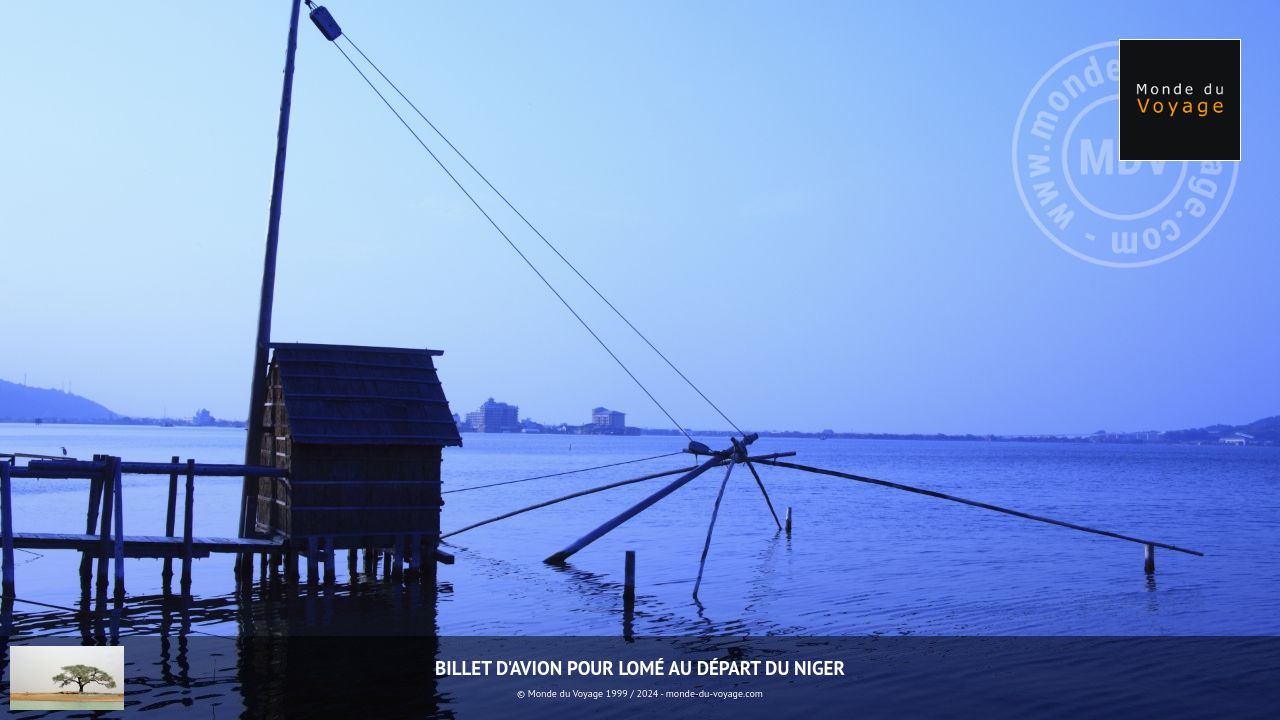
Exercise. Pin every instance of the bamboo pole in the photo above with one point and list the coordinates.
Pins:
(715, 511)
(975, 503)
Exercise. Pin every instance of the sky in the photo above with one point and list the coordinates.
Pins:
(809, 207)
(33, 666)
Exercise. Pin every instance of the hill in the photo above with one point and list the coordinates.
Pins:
(20, 403)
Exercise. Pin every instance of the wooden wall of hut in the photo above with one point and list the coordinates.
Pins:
(361, 432)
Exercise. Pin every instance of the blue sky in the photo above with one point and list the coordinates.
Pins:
(809, 206)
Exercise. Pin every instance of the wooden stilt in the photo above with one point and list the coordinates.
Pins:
(117, 481)
(313, 574)
(330, 557)
(351, 564)
(1149, 559)
(104, 535)
(91, 520)
(397, 559)
(291, 565)
(386, 564)
(369, 561)
(188, 525)
(170, 520)
(415, 558)
(788, 521)
(6, 529)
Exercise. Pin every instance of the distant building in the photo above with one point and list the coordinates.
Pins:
(494, 417)
(607, 422)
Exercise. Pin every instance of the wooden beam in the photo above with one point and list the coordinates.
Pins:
(764, 492)
(975, 503)
(715, 511)
(562, 498)
(585, 540)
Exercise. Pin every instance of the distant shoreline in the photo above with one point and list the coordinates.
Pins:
(1213, 435)
(158, 422)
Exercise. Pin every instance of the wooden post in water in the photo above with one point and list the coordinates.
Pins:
(6, 528)
(351, 564)
(629, 583)
(386, 565)
(91, 520)
(188, 525)
(170, 520)
(369, 561)
(313, 574)
(397, 559)
(1149, 559)
(104, 535)
(117, 482)
(415, 558)
(788, 521)
(330, 559)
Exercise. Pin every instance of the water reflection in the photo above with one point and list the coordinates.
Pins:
(270, 649)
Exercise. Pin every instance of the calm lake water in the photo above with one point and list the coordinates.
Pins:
(864, 567)
(862, 560)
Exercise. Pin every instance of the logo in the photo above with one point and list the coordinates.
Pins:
(1082, 196)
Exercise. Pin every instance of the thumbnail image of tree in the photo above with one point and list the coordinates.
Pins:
(83, 675)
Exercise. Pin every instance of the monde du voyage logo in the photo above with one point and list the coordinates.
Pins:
(1128, 164)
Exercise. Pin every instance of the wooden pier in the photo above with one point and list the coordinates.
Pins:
(104, 538)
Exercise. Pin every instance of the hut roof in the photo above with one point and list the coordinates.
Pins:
(355, 395)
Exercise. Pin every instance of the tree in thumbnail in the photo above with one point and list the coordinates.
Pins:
(83, 675)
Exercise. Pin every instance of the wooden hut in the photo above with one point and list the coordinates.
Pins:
(360, 430)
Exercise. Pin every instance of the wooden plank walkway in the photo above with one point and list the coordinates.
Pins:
(145, 546)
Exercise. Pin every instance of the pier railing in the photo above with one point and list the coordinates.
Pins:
(104, 537)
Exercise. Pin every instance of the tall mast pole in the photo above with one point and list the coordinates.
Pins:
(261, 348)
